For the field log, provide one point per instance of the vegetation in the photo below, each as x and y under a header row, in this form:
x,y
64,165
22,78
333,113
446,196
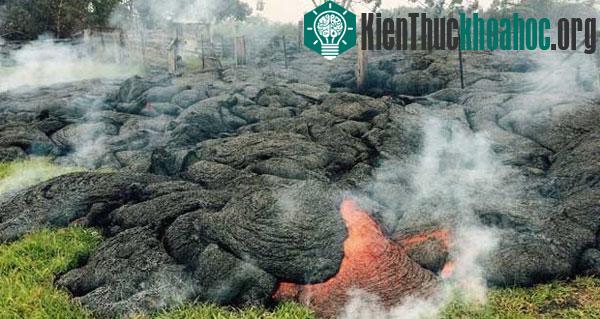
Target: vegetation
x,y
373,5
26,19
283,311
439,7
542,8
579,298
28,268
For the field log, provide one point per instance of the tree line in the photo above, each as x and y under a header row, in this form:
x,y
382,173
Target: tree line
x,y
27,19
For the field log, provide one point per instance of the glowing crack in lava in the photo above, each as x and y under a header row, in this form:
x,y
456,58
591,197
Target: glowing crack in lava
x,y
372,263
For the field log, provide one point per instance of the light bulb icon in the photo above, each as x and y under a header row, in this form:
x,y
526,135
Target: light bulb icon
x,y
330,28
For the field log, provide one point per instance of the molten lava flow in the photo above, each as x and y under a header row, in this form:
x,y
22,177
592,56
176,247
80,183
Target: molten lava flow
x,y
441,235
372,263
448,270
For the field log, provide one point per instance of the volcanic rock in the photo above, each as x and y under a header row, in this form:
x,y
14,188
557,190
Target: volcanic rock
x,y
590,262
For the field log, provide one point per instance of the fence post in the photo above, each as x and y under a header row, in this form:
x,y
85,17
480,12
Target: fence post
x,y
285,55
202,49
361,66
300,34
173,51
222,47
116,35
460,63
142,42
597,60
178,37
172,58
122,56
240,50
87,40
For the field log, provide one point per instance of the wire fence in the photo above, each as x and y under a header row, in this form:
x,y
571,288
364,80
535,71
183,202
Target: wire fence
x,y
186,45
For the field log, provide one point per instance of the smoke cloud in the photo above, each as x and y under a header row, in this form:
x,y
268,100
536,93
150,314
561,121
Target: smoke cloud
x,y
20,175
44,63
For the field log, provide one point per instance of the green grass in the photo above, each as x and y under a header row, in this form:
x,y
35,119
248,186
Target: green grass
x,y
283,311
579,298
22,174
28,268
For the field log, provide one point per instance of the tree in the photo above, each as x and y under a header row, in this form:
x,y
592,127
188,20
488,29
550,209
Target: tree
x,y
21,20
100,11
232,9
155,12
441,7
26,19
374,4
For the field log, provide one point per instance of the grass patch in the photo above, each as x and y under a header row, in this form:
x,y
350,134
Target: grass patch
x,y
21,174
579,298
29,266
287,310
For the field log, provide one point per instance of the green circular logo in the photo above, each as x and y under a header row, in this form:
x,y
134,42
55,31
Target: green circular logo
x,y
330,30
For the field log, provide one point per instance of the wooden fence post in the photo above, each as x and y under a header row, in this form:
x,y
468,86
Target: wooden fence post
x,y
460,63
116,39
240,50
361,66
597,60
173,51
172,57
300,34
142,42
285,55
222,47
202,51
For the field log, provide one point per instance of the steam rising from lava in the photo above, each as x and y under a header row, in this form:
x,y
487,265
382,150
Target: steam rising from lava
x,y
456,175
43,62
372,263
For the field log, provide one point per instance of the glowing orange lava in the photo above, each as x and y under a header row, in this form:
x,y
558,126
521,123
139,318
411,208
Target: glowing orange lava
x,y
448,270
441,235
372,263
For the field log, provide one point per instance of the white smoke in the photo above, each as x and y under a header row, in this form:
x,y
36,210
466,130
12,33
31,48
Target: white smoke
x,y
455,175
89,148
23,174
364,305
43,63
